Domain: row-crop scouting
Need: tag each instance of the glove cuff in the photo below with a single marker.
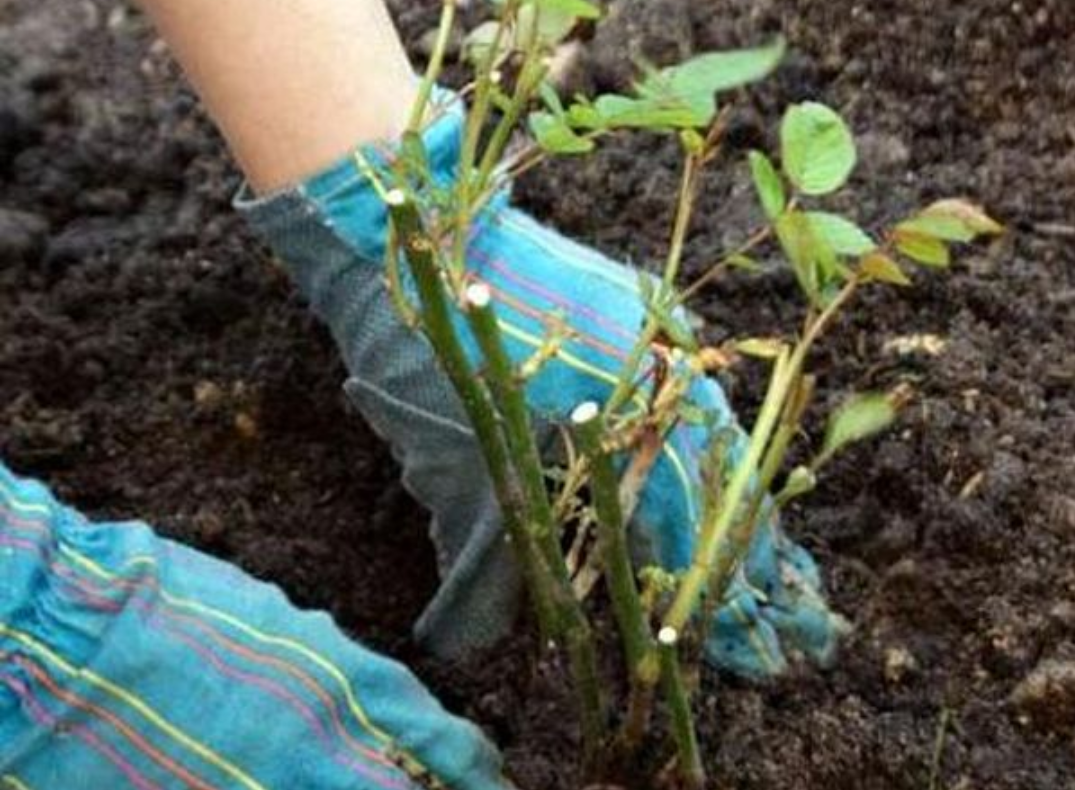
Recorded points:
(270, 214)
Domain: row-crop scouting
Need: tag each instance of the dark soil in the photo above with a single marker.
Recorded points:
(154, 363)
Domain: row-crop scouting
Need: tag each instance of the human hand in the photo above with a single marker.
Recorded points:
(127, 660)
(332, 233)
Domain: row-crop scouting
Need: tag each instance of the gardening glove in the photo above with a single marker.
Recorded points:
(129, 661)
(331, 232)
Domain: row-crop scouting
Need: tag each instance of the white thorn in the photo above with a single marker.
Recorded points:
(495, 76)
(395, 197)
(478, 295)
(584, 412)
(668, 636)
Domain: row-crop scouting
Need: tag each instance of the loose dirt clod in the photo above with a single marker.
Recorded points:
(1047, 695)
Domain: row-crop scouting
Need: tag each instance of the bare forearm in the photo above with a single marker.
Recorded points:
(293, 84)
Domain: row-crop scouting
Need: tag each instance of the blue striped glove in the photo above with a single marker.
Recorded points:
(331, 232)
(129, 661)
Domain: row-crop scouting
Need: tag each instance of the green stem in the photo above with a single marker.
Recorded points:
(437, 325)
(691, 770)
(511, 401)
(436, 64)
(530, 75)
(715, 532)
(626, 604)
(684, 208)
(786, 373)
(472, 136)
(571, 621)
(742, 532)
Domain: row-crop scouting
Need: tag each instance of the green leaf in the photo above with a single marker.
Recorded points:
(621, 112)
(695, 82)
(768, 185)
(880, 267)
(581, 9)
(551, 98)
(953, 220)
(555, 136)
(938, 227)
(843, 235)
(817, 148)
(812, 257)
(478, 42)
(926, 250)
(760, 347)
(553, 24)
(859, 417)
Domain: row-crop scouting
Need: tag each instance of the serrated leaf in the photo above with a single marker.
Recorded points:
(859, 417)
(927, 250)
(768, 185)
(880, 267)
(817, 148)
(843, 235)
(555, 136)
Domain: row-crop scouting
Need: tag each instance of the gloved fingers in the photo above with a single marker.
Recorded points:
(165, 668)
(742, 640)
(777, 594)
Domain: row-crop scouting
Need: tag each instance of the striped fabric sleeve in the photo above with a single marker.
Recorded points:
(127, 660)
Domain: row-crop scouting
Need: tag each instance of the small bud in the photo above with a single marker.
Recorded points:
(668, 636)
(395, 197)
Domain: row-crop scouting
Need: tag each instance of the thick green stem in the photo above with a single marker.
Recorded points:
(691, 770)
(612, 537)
(501, 377)
(438, 327)
(639, 649)
(571, 623)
